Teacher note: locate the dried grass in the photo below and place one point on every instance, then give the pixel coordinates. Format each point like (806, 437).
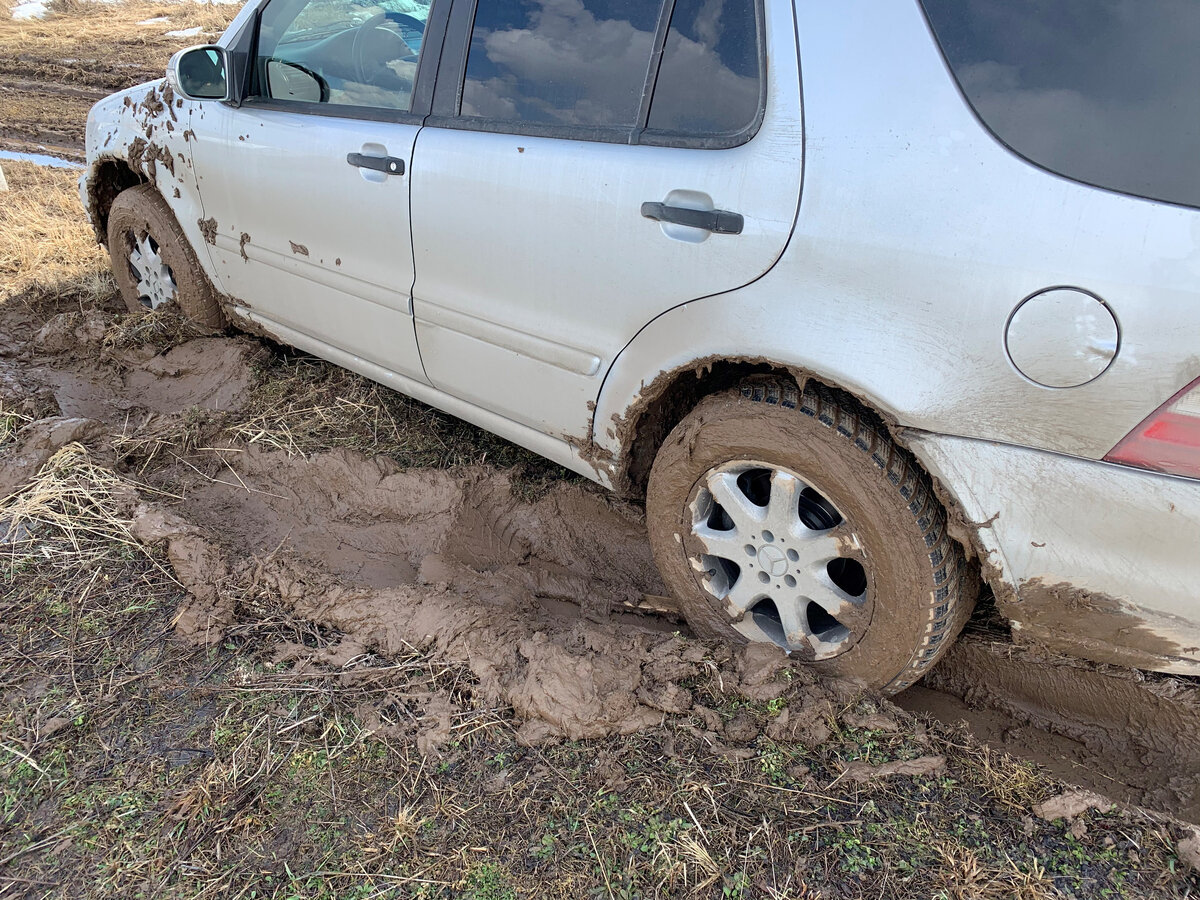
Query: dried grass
(73, 500)
(84, 31)
(161, 328)
(966, 877)
(12, 420)
(303, 405)
(47, 248)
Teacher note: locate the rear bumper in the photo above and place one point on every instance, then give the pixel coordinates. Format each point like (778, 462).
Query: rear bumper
(1094, 559)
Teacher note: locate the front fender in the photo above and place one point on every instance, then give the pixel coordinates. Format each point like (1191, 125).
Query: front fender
(141, 135)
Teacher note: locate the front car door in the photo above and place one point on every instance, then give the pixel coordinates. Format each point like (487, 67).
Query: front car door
(305, 184)
(588, 165)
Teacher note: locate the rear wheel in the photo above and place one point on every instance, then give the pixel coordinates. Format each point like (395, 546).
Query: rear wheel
(785, 517)
(153, 263)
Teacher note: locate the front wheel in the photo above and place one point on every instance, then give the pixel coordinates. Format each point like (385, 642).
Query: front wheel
(152, 261)
(783, 516)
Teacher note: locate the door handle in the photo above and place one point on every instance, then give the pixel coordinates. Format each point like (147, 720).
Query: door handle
(388, 165)
(718, 221)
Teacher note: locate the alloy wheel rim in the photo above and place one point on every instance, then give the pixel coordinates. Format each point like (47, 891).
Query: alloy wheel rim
(780, 559)
(155, 281)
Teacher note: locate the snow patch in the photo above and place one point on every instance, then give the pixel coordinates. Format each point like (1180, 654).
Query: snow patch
(157, 20)
(186, 32)
(30, 9)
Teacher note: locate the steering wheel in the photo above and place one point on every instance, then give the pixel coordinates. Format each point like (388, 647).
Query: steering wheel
(412, 23)
(374, 47)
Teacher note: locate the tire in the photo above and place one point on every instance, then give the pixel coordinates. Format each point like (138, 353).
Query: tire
(152, 261)
(839, 547)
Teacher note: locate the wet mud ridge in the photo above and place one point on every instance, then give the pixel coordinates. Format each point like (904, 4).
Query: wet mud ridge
(1129, 735)
(535, 596)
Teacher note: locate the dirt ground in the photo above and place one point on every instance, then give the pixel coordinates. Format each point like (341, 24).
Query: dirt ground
(52, 70)
(268, 630)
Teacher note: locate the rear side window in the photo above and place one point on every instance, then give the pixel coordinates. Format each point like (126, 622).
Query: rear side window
(1101, 91)
(617, 70)
(567, 62)
(708, 82)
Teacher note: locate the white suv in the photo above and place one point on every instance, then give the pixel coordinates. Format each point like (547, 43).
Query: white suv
(864, 298)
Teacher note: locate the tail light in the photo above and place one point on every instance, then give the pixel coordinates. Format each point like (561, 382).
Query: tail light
(1169, 440)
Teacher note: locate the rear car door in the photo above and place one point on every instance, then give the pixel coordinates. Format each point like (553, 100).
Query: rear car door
(588, 165)
(305, 185)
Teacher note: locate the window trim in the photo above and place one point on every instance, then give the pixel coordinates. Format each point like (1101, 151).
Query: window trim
(991, 132)
(423, 85)
(451, 80)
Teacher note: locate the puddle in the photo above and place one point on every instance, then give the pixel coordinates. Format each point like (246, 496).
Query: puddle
(40, 159)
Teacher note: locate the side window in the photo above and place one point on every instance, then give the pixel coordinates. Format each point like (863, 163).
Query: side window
(709, 79)
(560, 62)
(1104, 93)
(341, 52)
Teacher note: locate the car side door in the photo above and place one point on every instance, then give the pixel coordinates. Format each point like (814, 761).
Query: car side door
(587, 166)
(305, 181)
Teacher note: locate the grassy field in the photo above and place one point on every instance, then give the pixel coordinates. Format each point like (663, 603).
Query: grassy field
(136, 765)
(53, 69)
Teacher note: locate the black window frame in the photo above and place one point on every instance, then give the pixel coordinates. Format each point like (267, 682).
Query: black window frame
(451, 80)
(245, 46)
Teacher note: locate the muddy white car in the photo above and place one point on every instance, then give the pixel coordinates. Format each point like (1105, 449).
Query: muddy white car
(866, 300)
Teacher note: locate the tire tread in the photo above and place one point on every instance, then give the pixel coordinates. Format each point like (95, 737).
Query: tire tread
(197, 299)
(954, 581)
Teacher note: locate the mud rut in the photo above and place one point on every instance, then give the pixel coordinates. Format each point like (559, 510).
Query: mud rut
(545, 601)
(42, 112)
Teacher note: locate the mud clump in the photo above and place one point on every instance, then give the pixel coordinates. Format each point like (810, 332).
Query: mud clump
(1070, 804)
(71, 331)
(531, 597)
(862, 773)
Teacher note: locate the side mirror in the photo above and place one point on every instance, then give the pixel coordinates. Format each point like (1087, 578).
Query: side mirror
(198, 73)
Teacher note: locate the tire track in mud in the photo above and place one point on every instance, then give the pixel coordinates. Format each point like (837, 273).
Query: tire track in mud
(1129, 735)
(41, 116)
(533, 597)
(44, 104)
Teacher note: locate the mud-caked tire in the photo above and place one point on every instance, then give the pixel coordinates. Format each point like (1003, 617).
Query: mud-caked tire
(791, 516)
(152, 261)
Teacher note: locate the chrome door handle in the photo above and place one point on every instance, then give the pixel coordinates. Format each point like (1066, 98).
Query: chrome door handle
(718, 221)
(388, 165)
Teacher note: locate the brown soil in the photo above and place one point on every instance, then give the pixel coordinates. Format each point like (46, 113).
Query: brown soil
(41, 116)
(1131, 736)
(537, 598)
(52, 70)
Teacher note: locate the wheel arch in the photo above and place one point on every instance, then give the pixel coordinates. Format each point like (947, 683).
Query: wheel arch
(669, 397)
(109, 176)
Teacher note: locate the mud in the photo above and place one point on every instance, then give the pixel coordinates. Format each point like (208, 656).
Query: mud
(1129, 736)
(535, 597)
(544, 601)
(208, 228)
(40, 115)
(37, 443)
(1068, 619)
(121, 387)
